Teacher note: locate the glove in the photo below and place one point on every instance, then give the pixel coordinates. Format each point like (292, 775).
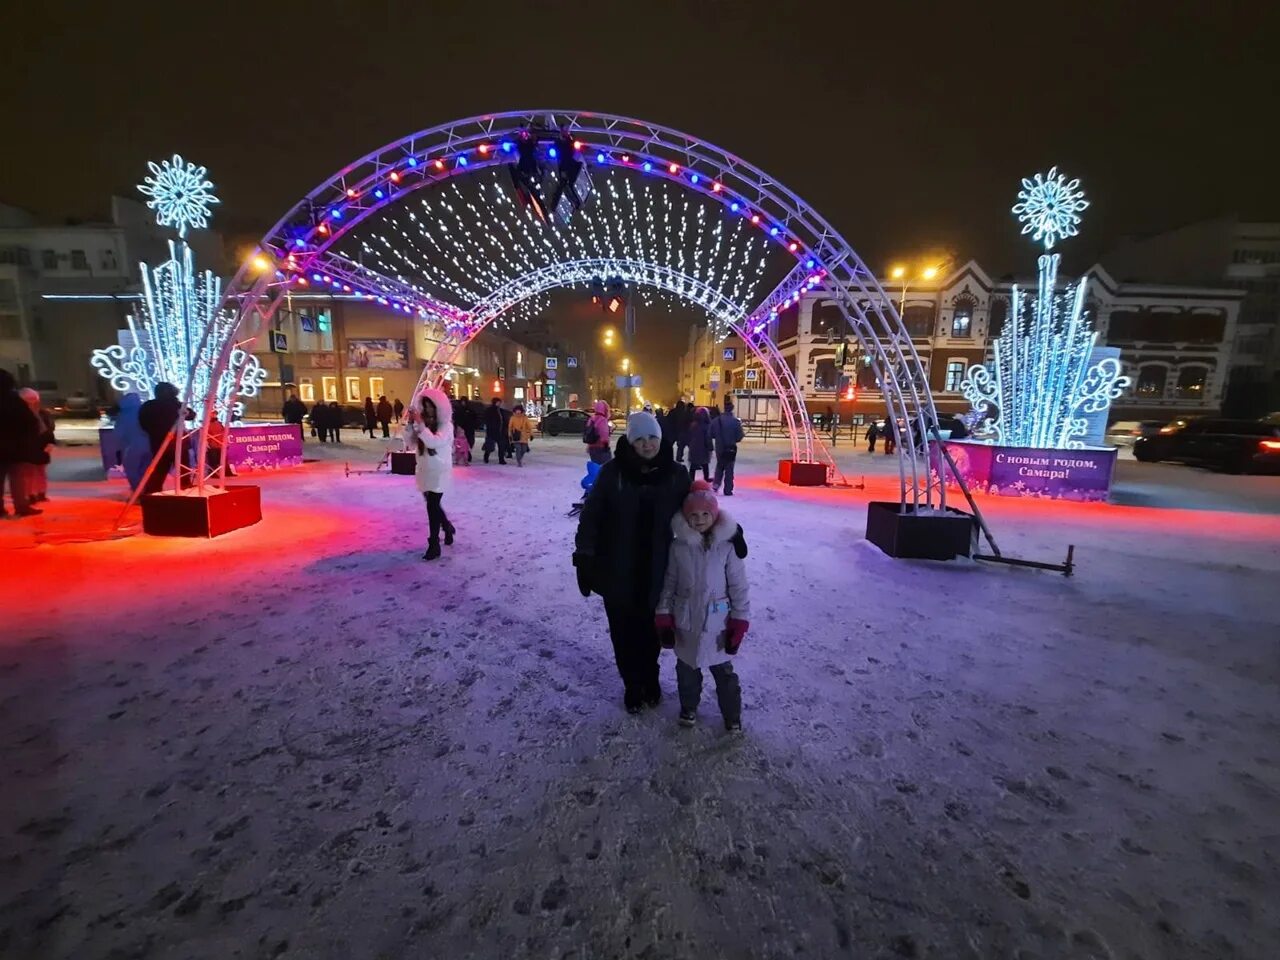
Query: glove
(584, 581)
(734, 631)
(739, 543)
(665, 624)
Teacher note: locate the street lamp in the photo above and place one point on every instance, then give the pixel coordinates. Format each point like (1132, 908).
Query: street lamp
(901, 273)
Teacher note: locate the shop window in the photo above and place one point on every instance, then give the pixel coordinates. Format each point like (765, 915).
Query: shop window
(377, 388)
(1191, 381)
(48, 260)
(353, 389)
(825, 375)
(330, 385)
(79, 261)
(109, 260)
(306, 390)
(1151, 381)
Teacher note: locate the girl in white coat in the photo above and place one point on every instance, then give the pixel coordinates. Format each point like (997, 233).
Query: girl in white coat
(429, 433)
(704, 606)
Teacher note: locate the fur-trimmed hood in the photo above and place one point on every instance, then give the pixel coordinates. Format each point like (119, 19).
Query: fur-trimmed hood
(722, 532)
(444, 408)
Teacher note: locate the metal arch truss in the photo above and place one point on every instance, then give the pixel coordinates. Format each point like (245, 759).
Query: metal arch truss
(462, 147)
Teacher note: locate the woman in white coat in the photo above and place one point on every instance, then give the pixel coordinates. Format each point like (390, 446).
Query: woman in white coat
(704, 608)
(429, 433)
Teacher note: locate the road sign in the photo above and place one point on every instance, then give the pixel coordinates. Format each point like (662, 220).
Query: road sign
(572, 362)
(279, 342)
(552, 363)
(714, 375)
(622, 381)
(751, 374)
(551, 373)
(731, 354)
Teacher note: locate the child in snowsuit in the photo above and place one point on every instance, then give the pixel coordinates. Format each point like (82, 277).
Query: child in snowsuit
(704, 607)
(461, 449)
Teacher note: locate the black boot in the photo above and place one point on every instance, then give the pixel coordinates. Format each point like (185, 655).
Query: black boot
(449, 531)
(433, 550)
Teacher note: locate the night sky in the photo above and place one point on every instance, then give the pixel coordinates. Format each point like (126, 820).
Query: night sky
(908, 125)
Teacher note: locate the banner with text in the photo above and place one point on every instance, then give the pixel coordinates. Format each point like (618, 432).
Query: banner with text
(1083, 475)
(265, 446)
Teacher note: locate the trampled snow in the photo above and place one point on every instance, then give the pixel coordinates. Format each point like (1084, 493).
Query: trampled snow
(300, 740)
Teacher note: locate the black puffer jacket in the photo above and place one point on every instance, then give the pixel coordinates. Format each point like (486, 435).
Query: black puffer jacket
(625, 527)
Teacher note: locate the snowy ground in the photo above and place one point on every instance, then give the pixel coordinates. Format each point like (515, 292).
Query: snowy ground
(289, 742)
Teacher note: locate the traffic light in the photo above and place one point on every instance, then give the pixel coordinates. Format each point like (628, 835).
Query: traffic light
(527, 174)
(848, 388)
(617, 296)
(842, 354)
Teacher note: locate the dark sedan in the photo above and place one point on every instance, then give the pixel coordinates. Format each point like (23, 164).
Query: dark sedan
(1234, 446)
(561, 421)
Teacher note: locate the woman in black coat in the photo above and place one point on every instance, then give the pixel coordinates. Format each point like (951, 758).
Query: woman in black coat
(320, 421)
(370, 416)
(620, 552)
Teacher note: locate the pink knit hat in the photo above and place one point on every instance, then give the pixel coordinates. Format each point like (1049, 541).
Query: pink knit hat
(701, 497)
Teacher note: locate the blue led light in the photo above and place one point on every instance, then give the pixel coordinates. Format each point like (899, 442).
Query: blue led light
(335, 213)
(773, 232)
(551, 152)
(413, 162)
(316, 277)
(734, 206)
(809, 264)
(599, 158)
(378, 193)
(299, 242)
(507, 146)
(694, 178)
(647, 166)
(462, 159)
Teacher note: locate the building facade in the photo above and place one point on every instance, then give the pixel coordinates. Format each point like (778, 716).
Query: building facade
(65, 291)
(1176, 344)
(1227, 252)
(345, 349)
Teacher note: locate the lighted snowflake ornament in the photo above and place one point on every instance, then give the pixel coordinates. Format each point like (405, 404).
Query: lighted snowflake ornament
(180, 194)
(1049, 207)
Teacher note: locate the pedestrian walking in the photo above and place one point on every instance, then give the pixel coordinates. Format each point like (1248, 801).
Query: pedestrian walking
(38, 472)
(465, 417)
(597, 432)
(385, 413)
(704, 609)
(699, 440)
(680, 429)
(398, 409)
(890, 436)
(370, 416)
(726, 434)
(335, 421)
(430, 433)
(873, 434)
(520, 430)
(294, 411)
(495, 437)
(20, 447)
(320, 421)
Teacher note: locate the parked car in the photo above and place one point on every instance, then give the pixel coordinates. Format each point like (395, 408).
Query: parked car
(556, 422)
(1235, 446)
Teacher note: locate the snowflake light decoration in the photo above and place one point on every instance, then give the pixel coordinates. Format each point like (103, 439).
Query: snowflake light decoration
(1049, 207)
(180, 194)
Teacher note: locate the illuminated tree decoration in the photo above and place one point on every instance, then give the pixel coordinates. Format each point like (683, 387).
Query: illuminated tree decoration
(178, 305)
(1042, 382)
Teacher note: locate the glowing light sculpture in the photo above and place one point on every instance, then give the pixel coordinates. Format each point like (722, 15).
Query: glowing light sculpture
(179, 328)
(1042, 381)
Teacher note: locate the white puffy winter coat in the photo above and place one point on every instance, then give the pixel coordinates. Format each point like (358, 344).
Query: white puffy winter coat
(434, 474)
(706, 584)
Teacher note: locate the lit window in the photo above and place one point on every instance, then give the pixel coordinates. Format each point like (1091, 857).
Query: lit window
(306, 390)
(955, 374)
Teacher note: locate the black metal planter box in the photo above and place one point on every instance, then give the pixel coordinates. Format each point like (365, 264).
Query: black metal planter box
(192, 515)
(935, 535)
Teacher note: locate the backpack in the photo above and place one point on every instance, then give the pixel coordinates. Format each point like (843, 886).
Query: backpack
(590, 434)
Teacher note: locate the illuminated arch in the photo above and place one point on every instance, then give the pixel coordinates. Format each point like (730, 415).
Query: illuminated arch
(301, 243)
